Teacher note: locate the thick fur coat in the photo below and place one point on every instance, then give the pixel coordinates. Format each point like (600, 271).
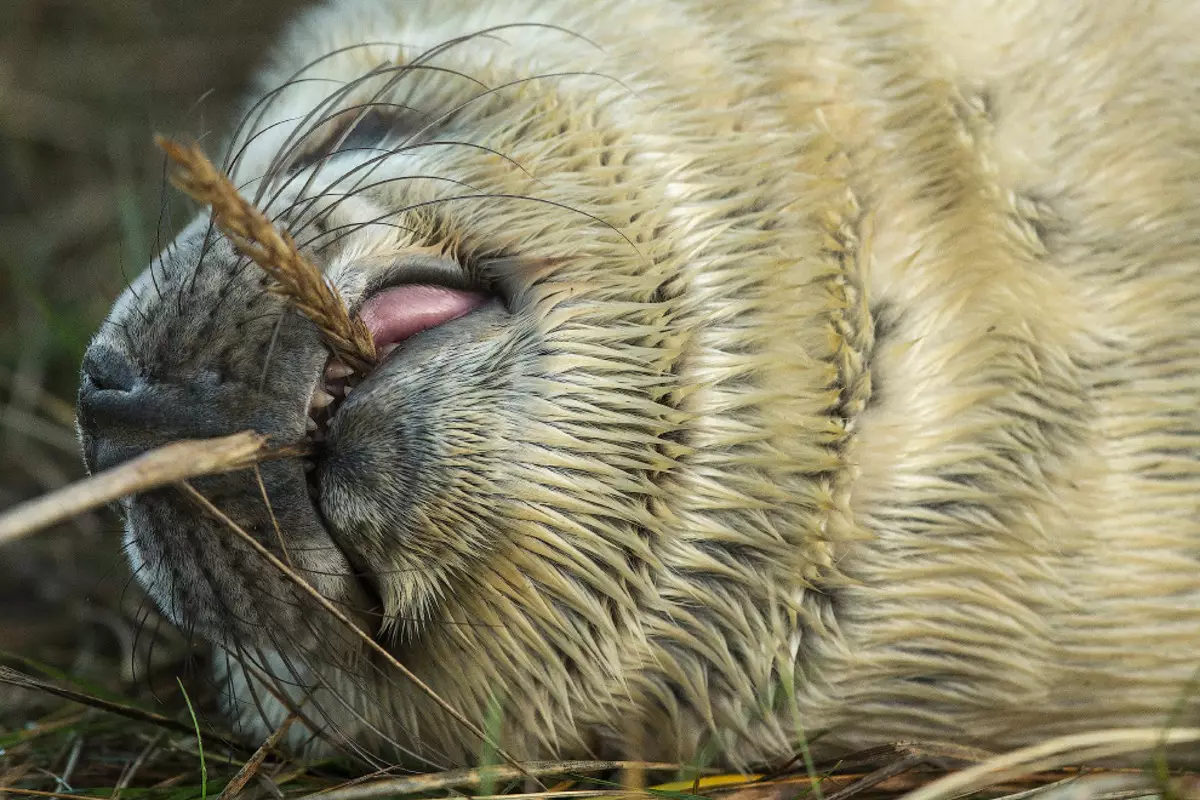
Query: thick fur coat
(843, 376)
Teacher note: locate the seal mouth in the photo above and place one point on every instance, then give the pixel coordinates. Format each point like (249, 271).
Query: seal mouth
(394, 313)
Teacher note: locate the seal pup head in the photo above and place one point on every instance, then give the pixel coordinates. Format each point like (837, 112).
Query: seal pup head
(489, 501)
(639, 468)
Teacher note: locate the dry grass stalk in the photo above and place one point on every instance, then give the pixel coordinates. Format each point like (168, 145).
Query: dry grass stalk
(253, 234)
(165, 465)
(460, 778)
(251, 767)
(19, 680)
(35, 793)
(1079, 748)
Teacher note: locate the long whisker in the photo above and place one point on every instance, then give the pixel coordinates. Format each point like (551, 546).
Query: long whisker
(371, 165)
(344, 196)
(264, 103)
(496, 196)
(338, 614)
(298, 230)
(288, 148)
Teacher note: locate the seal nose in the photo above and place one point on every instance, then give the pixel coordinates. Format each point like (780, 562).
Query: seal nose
(111, 413)
(121, 414)
(105, 369)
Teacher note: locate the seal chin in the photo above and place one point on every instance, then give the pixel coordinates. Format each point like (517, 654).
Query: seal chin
(429, 322)
(208, 580)
(405, 445)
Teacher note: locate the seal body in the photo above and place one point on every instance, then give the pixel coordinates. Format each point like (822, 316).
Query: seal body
(836, 370)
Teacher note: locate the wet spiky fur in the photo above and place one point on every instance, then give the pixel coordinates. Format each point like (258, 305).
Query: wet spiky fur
(848, 381)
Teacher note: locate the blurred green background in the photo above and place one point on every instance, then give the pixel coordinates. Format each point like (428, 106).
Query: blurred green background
(84, 84)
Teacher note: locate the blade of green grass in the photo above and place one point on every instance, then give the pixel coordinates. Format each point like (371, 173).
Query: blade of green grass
(199, 742)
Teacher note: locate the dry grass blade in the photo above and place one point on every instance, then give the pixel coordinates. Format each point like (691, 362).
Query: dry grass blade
(569, 794)
(168, 464)
(882, 775)
(251, 767)
(130, 771)
(1079, 748)
(905, 756)
(296, 278)
(35, 793)
(20, 680)
(441, 781)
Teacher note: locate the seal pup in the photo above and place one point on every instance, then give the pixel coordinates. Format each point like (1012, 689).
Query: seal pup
(754, 371)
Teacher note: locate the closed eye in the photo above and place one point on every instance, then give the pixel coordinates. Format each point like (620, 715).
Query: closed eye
(365, 128)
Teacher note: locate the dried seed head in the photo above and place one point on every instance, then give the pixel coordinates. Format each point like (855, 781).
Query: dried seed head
(251, 232)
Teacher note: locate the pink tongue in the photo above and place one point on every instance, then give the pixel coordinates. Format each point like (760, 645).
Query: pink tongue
(395, 314)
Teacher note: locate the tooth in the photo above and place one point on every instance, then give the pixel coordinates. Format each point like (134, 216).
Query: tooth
(337, 370)
(310, 424)
(346, 392)
(320, 399)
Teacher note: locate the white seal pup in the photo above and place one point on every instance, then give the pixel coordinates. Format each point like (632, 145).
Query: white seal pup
(752, 369)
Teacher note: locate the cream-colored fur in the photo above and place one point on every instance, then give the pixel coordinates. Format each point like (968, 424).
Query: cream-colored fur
(867, 393)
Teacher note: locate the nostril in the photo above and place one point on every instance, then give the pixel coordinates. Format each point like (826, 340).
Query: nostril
(115, 417)
(105, 369)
